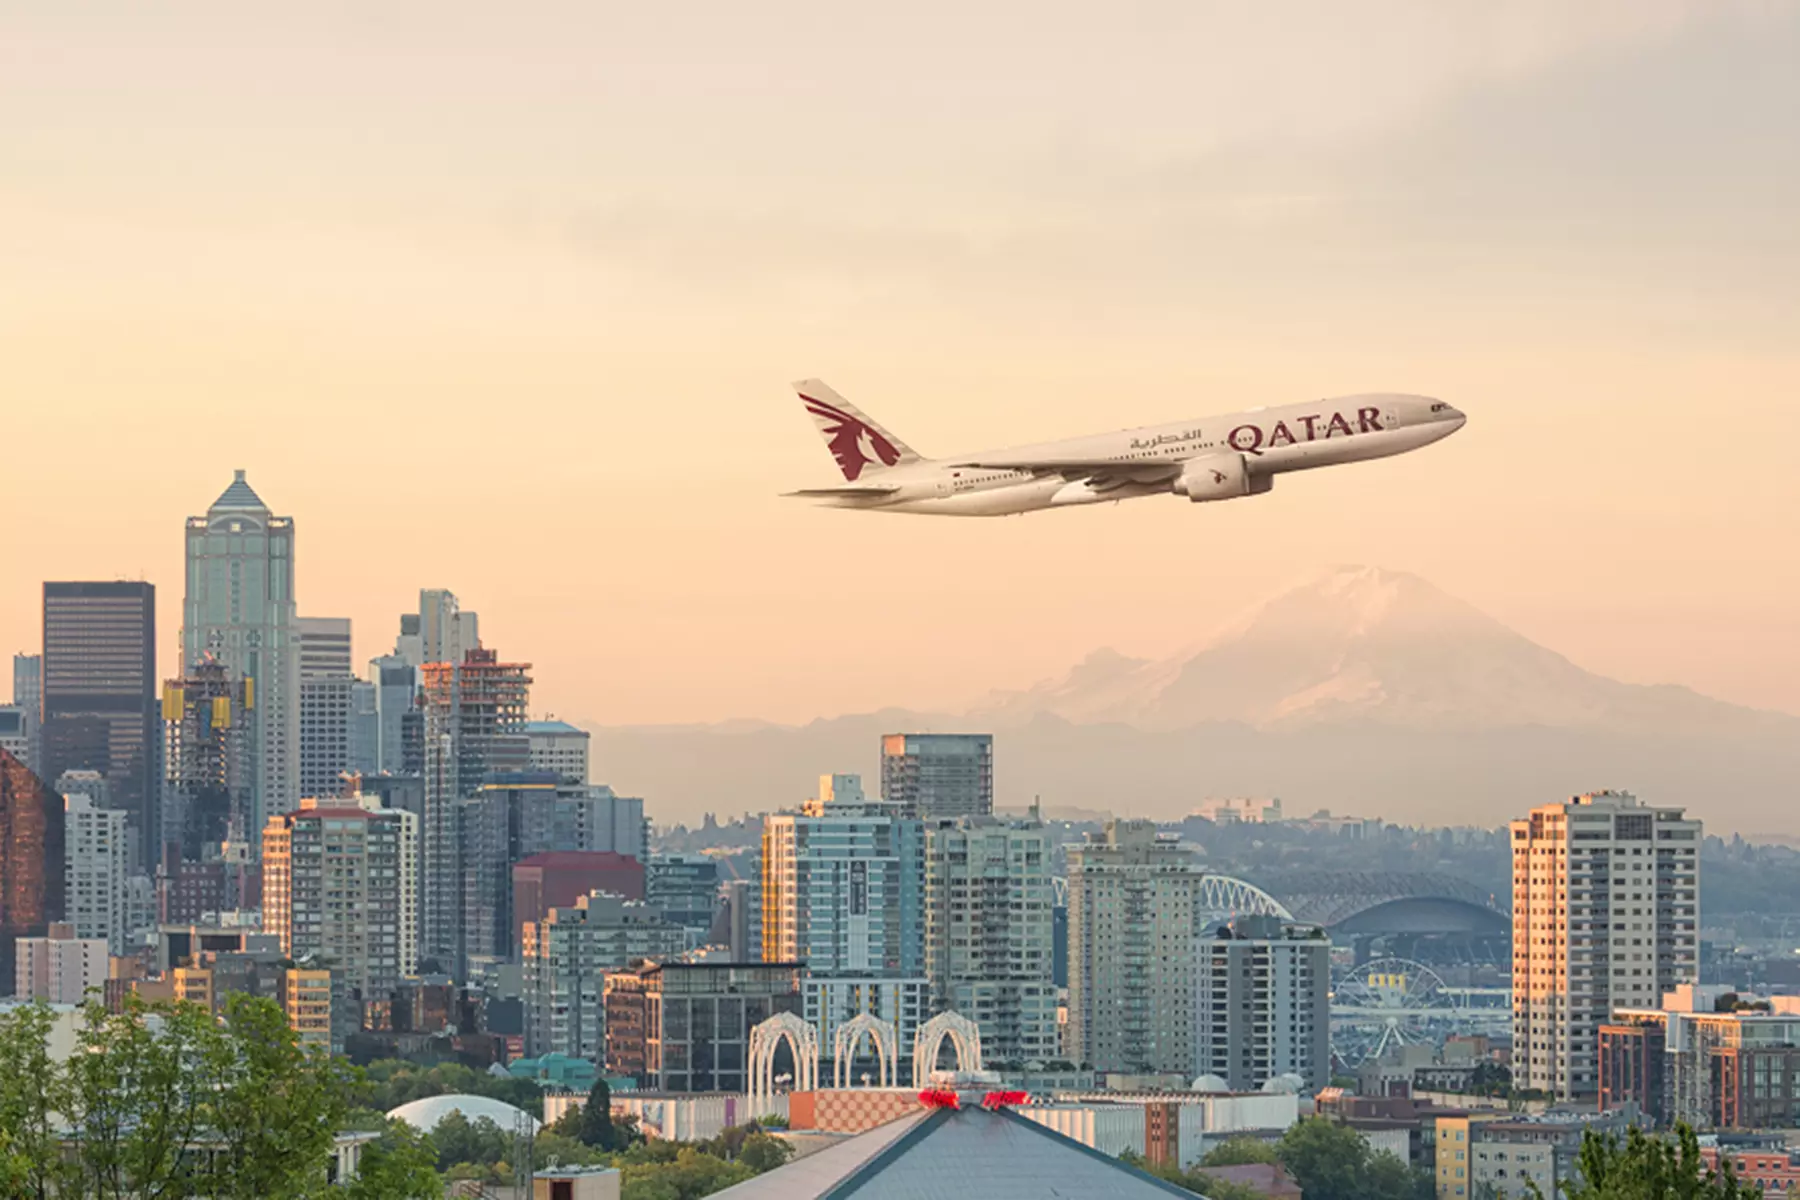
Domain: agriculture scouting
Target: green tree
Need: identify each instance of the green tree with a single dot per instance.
(462, 1142)
(274, 1106)
(764, 1153)
(1237, 1151)
(30, 1162)
(132, 1113)
(1332, 1162)
(399, 1165)
(596, 1118)
(554, 1148)
(1657, 1168)
(1219, 1189)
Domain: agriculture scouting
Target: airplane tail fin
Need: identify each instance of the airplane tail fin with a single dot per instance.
(853, 438)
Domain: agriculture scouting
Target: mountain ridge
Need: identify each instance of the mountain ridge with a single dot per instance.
(1362, 690)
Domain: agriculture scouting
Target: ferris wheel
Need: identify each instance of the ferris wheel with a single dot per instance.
(1391, 1002)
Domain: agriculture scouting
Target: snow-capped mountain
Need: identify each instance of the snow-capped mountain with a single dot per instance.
(1361, 644)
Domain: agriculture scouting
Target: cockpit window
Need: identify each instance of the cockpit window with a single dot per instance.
(1439, 407)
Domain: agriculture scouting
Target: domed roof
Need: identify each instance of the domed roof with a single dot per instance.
(1210, 1083)
(424, 1114)
(1287, 1085)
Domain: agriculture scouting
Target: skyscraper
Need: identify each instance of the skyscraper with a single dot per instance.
(28, 698)
(241, 584)
(439, 632)
(933, 775)
(988, 903)
(1606, 914)
(327, 691)
(1264, 1003)
(474, 714)
(31, 859)
(843, 890)
(1134, 920)
(28, 682)
(395, 683)
(99, 694)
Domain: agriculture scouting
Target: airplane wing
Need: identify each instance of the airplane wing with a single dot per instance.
(870, 492)
(1092, 468)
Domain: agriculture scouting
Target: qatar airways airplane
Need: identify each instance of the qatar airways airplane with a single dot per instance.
(1213, 458)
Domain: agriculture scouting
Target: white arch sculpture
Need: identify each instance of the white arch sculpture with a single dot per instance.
(964, 1035)
(849, 1038)
(764, 1039)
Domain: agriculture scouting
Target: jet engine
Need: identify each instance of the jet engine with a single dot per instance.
(1219, 477)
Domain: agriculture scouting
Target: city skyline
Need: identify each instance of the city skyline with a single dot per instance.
(966, 262)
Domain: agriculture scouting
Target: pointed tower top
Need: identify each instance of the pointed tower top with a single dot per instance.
(239, 495)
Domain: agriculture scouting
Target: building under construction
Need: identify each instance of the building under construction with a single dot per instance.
(475, 713)
(209, 729)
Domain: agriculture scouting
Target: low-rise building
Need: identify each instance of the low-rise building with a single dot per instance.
(1504, 1157)
(60, 968)
(698, 1018)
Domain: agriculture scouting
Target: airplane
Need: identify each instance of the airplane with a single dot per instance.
(1213, 458)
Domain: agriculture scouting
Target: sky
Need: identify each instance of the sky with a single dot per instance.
(506, 299)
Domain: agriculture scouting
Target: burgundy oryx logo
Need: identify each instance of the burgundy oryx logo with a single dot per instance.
(851, 441)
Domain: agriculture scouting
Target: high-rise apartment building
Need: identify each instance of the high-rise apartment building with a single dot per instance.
(1135, 915)
(1606, 915)
(1263, 1007)
(210, 749)
(31, 859)
(933, 775)
(843, 890)
(560, 748)
(96, 861)
(333, 887)
(327, 693)
(239, 611)
(988, 901)
(567, 956)
(98, 681)
(474, 713)
(60, 968)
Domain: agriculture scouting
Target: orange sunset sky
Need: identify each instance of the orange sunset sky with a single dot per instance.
(505, 299)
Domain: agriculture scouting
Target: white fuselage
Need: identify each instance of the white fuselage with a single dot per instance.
(1143, 462)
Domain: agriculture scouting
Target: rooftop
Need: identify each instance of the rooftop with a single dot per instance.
(965, 1151)
(553, 727)
(240, 495)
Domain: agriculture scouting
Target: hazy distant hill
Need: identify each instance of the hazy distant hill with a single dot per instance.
(1364, 691)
